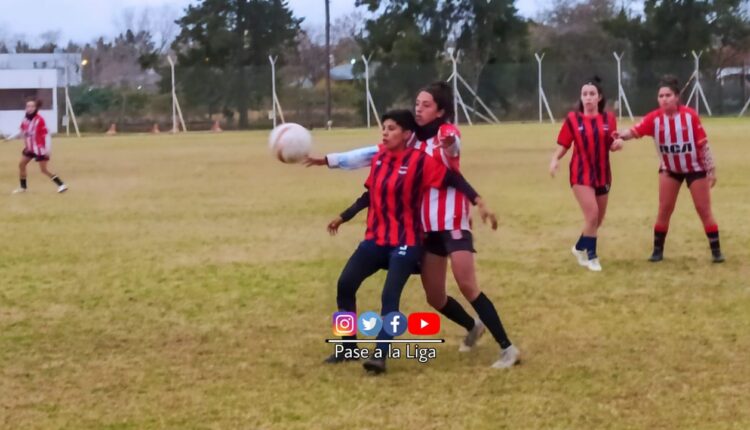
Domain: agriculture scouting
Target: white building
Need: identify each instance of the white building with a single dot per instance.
(34, 76)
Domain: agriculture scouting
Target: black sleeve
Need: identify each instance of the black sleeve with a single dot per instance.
(361, 203)
(457, 181)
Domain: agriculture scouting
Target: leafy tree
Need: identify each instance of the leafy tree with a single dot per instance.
(228, 42)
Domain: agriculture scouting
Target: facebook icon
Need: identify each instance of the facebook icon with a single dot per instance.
(394, 324)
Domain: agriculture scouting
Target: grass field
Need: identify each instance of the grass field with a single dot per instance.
(188, 282)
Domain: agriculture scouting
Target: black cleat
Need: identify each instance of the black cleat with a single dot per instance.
(375, 366)
(656, 257)
(718, 257)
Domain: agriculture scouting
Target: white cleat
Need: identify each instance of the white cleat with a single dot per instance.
(581, 256)
(18, 191)
(594, 265)
(509, 357)
(472, 336)
(62, 188)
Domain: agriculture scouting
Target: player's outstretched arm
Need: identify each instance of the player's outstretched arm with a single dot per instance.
(457, 181)
(361, 203)
(12, 136)
(349, 160)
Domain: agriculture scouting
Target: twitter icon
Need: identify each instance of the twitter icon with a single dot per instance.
(369, 324)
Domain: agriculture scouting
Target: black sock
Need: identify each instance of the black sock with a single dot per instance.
(456, 313)
(591, 247)
(580, 246)
(713, 241)
(490, 318)
(23, 183)
(660, 236)
(57, 180)
(349, 345)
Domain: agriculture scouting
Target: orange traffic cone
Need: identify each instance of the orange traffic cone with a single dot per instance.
(155, 128)
(216, 128)
(112, 130)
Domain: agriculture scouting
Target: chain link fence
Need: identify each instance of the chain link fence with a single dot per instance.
(509, 90)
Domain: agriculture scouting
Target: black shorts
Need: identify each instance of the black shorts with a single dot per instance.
(686, 177)
(601, 191)
(598, 191)
(444, 243)
(38, 158)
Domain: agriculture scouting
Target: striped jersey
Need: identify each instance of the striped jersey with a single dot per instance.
(591, 139)
(443, 208)
(396, 184)
(35, 135)
(677, 139)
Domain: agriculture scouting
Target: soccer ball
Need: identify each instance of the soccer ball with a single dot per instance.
(290, 142)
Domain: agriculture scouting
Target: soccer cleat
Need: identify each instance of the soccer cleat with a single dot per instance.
(656, 256)
(62, 188)
(717, 257)
(594, 265)
(338, 358)
(581, 256)
(509, 357)
(375, 366)
(472, 336)
(18, 191)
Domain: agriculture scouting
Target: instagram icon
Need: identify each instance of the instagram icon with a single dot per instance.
(344, 323)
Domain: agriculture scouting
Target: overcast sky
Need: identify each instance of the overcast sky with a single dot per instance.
(85, 20)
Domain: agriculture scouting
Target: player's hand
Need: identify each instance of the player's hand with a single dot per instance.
(333, 226)
(617, 145)
(314, 161)
(615, 135)
(712, 178)
(487, 215)
(553, 165)
(446, 135)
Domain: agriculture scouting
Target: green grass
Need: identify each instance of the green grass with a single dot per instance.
(188, 282)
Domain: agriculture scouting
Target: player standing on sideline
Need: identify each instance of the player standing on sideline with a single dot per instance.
(589, 131)
(445, 222)
(682, 147)
(399, 176)
(37, 146)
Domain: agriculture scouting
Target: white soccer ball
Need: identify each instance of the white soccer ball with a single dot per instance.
(290, 142)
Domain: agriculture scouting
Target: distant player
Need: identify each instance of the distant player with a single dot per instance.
(37, 146)
(685, 156)
(399, 175)
(589, 132)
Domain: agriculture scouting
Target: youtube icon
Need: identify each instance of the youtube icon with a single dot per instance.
(424, 323)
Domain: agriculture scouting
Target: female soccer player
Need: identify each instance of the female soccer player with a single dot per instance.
(36, 146)
(445, 222)
(399, 176)
(589, 131)
(682, 147)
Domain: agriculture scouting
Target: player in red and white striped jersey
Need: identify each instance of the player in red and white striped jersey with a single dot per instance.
(684, 155)
(37, 146)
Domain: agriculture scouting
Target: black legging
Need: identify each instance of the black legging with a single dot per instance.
(368, 259)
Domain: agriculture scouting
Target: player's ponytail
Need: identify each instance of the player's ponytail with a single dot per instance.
(442, 93)
(597, 82)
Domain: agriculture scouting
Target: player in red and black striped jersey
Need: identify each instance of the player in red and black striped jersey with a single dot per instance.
(589, 132)
(685, 156)
(399, 175)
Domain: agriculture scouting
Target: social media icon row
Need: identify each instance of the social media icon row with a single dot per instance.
(393, 324)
